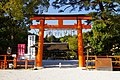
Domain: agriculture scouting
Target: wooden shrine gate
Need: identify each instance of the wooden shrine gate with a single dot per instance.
(79, 26)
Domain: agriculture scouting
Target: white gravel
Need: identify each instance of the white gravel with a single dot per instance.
(58, 74)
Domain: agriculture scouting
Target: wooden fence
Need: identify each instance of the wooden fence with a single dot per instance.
(4, 61)
(115, 60)
(17, 63)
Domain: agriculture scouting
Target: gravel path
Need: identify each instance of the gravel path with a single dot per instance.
(58, 74)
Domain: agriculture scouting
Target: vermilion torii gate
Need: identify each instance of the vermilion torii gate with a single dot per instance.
(79, 26)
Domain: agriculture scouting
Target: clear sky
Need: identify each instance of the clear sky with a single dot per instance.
(59, 32)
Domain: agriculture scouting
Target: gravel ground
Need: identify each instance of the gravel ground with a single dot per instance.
(58, 74)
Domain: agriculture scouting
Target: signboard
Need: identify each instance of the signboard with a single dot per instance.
(13, 55)
(104, 64)
(21, 49)
(31, 50)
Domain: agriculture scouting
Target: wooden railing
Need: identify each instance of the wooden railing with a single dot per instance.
(23, 63)
(4, 62)
(115, 60)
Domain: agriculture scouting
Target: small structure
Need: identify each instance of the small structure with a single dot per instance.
(9, 51)
(104, 64)
(55, 50)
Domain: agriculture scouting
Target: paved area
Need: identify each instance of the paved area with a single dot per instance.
(62, 63)
(52, 71)
(58, 74)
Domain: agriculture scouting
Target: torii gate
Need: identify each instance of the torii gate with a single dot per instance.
(79, 26)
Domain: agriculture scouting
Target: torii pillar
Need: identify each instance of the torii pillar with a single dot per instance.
(80, 45)
(40, 44)
(79, 26)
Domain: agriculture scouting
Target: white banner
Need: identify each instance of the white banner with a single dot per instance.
(31, 50)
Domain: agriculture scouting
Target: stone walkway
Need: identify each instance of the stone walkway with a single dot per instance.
(58, 74)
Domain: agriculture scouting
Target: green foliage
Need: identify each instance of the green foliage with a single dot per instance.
(72, 41)
(65, 38)
(62, 39)
(14, 20)
(14, 8)
(18, 9)
(110, 5)
(73, 45)
(72, 55)
(87, 37)
(103, 36)
(11, 34)
(106, 22)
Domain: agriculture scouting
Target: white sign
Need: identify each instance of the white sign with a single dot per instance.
(13, 55)
(104, 64)
(31, 50)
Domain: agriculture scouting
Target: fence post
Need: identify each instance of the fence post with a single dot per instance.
(26, 63)
(5, 61)
(95, 61)
(15, 62)
(1, 65)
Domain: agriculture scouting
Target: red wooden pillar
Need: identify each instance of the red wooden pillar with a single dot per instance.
(5, 61)
(80, 45)
(40, 45)
(15, 62)
(26, 63)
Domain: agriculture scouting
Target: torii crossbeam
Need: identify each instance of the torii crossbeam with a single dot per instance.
(79, 26)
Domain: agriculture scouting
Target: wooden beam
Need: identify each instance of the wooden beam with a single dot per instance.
(61, 18)
(60, 22)
(84, 18)
(34, 26)
(86, 26)
(60, 26)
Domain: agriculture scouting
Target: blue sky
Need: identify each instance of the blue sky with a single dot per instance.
(59, 32)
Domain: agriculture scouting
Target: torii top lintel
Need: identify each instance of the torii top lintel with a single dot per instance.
(60, 19)
(61, 16)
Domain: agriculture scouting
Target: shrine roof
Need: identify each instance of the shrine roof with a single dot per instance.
(56, 46)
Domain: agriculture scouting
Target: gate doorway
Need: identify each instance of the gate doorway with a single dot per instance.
(42, 26)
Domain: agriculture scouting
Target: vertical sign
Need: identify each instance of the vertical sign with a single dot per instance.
(21, 49)
(31, 50)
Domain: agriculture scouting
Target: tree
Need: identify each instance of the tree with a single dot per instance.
(104, 37)
(65, 38)
(72, 44)
(22, 10)
(101, 6)
(14, 20)
(102, 10)
(19, 9)
(11, 34)
(105, 13)
(72, 41)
